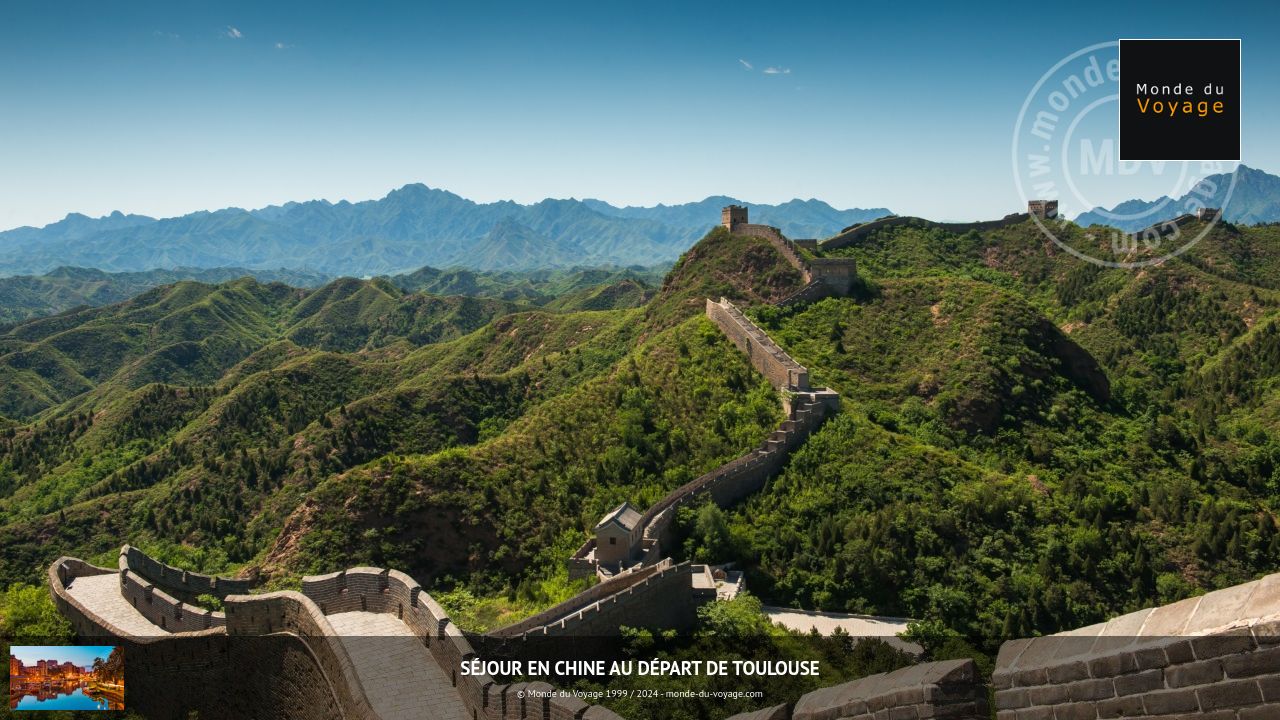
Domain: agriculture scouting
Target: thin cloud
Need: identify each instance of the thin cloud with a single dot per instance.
(777, 71)
(234, 33)
(166, 35)
(283, 46)
(746, 64)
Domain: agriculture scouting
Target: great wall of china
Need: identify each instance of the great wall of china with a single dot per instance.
(370, 644)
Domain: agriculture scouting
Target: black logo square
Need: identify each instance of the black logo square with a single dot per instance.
(1180, 100)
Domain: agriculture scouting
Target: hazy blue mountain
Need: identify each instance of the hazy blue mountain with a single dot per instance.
(72, 227)
(1255, 199)
(796, 218)
(411, 227)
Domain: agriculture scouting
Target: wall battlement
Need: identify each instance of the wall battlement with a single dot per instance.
(764, 354)
(806, 408)
(828, 276)
(177, 582)
(1213, 656)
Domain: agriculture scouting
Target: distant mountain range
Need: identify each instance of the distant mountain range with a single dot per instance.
(409, 228)
(1255, 199)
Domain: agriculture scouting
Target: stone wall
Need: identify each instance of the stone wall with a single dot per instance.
(253, 616)
(765, 355)
(828, 276)
(1161, 229)
(854, 233)
(163, 610)
(84, 621)
(663, 599)
(179, 583)
(1216, 656)
(951, 689)
(205, 671)
(814, 291)
(732, 482)
(788, 249)
(591, 595)
(223, 678)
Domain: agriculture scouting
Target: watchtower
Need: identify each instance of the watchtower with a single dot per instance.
(1208, 214)
(1044, 209)
(733, 215)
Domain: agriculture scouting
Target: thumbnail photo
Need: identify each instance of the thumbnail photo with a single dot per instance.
(66, 677)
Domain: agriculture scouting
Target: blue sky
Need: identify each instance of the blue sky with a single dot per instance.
(81, 655)
(166, 108)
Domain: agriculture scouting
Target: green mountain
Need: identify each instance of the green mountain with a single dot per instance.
(1032, 443)
(1027, 442)
(24, 297)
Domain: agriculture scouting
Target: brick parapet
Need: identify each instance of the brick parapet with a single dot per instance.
(1218, 653)
(950, 689)
(784, 246)
(764, 354)
(176, 581)
(587, 597)
(162, 609)
(665, 598)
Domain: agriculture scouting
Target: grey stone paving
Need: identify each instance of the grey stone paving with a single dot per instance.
(400, 677)
(101, 593)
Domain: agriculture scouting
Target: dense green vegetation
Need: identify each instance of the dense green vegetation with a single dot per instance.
(1028, 443)
(216, 426)
(982, 477)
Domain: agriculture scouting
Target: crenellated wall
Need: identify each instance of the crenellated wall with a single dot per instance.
(163, 610)
(732, 482)
(663, 598)
(765, 355)
(591, 595)
(205, 671)
(179, 583)
(951, 689)
(1216, 656)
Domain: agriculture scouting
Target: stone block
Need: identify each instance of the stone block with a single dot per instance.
(1120, 707)
(1270, 687)
(1142, 682)
(1258, 662)
(1201, 672)
(1068, 672)
(1230, 642)
(1168, 702)
(1048, 695)
(1089, 690)
(1229, 694)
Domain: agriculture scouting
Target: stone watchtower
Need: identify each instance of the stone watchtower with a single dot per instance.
(1207, 214)
(1045, 209)
(733, 215)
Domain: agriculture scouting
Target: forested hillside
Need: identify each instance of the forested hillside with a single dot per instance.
(1027, 443)
(1031, 443)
